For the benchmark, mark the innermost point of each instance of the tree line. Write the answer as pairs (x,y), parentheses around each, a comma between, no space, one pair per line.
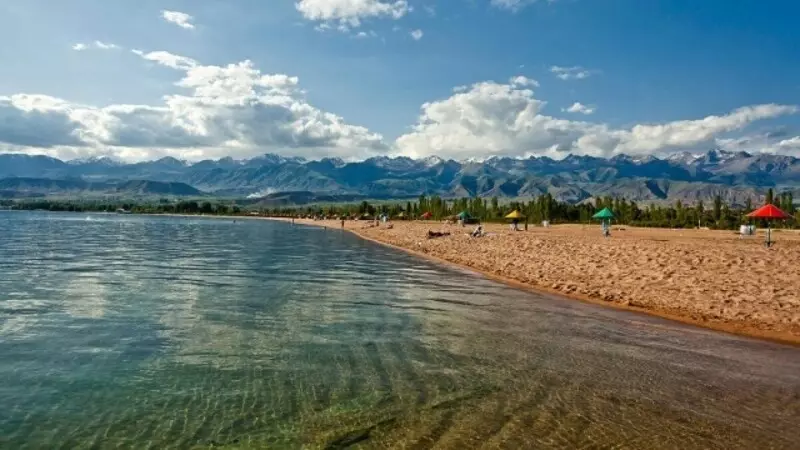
(717,214)
(162,206)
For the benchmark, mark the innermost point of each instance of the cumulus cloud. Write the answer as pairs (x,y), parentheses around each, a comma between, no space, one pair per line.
(350,13)
(762,143)
(520,80)
(236,110)
(417,34)
(99,45)
(178,18)
(490,118)
(572,73)
(789,146)
(580,108)
(37,121)
(222,110)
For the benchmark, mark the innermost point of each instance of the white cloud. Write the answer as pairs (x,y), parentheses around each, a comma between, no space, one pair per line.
(790,145)
(520,80)
(350,13)
(365,34)
(167,59)
(105,46)
(572,73)
(178,18)
(683,133)
(514,5)
(100,45)
(226,110)
(417,34)
(236,110)
(762,143)
(37,121)
(490,118)
(580,108)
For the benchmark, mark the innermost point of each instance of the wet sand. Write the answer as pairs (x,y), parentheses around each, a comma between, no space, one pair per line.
(704,277)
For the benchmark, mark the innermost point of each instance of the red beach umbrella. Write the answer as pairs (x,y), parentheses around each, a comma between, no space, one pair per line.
(427,215)
(768,212)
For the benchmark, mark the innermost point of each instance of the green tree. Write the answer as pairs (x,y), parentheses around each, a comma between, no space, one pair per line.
(717,214)
(680,214)
(699,212)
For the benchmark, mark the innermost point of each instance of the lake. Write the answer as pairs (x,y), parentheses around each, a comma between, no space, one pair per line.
(169,332)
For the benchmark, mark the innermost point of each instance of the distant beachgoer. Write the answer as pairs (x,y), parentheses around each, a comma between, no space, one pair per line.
(435,234)
(478,231)
(343,224)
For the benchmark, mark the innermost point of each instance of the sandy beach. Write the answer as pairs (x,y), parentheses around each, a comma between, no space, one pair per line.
(708,278)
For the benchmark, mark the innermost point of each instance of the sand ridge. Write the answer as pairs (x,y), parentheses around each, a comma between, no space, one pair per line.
(710,278)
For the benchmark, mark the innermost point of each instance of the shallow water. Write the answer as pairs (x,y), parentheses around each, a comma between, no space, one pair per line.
(158,332)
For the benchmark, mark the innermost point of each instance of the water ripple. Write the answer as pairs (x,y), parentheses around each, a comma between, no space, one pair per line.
(128,331)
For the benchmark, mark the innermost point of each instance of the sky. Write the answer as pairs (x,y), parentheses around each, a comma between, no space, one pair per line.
(359,78)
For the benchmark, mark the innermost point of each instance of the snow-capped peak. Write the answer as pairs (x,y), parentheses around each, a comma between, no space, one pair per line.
(683,157)
(103,160)
(431,161)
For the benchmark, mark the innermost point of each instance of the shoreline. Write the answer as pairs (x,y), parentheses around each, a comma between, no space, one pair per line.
(740,329)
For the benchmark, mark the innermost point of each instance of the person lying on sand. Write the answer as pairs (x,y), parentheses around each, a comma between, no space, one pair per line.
(435,234)
(478,231)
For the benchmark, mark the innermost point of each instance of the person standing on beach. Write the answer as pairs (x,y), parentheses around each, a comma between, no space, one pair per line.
(343,224)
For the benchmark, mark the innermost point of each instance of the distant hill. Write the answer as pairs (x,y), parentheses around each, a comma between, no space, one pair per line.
(683,176)
(301,198)
(22,187)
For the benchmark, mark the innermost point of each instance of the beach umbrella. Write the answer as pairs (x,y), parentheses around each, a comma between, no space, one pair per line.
(426,215)
(515,215)
(463,215)
(604,215)
(768,212)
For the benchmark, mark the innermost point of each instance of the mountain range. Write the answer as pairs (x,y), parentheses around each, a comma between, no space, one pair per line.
(681,176)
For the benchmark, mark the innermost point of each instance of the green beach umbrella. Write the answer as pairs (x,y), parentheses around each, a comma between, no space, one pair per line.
(604,214)
(464,215)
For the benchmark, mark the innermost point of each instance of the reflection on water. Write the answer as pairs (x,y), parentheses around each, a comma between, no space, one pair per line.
(190,333)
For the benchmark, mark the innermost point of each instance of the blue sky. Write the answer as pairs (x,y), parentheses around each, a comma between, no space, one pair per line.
(662,66)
